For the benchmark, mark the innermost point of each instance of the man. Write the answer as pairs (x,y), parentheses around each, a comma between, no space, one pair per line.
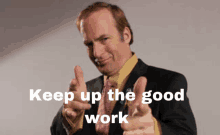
(108,37)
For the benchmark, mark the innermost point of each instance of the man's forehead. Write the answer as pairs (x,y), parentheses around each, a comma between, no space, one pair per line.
(95,26)
(102,16)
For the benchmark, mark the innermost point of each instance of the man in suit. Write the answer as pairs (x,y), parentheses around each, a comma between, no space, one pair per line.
(108,36)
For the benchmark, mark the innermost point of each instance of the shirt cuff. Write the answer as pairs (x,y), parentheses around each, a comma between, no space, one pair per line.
(157,127)
(73,125)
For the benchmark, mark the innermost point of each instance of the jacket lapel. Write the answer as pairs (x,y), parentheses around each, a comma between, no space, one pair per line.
(95,85)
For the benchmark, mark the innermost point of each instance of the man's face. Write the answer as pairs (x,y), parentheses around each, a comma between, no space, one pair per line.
(106,49)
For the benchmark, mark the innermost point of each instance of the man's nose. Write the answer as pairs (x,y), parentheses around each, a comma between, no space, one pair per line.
(98,50)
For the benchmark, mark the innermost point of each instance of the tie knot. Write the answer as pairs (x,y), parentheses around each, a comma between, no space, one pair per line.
(110,84)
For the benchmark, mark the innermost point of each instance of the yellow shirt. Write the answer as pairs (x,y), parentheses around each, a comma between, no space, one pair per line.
(120,79)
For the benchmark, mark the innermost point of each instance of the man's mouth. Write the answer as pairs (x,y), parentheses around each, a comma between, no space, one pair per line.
(102,61)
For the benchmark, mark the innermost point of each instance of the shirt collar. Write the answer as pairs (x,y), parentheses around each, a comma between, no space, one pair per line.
(124,71)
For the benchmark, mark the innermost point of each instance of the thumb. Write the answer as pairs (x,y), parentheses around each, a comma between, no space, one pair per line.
(139,110)
(142,109)
(139,88)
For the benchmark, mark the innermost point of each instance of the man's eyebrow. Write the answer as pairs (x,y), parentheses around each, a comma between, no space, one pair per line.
(102,36)
(97,39)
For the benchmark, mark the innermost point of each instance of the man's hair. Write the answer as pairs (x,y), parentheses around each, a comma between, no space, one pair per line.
(117,13)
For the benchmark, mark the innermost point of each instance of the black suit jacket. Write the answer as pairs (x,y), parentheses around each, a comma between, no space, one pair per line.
(175,117)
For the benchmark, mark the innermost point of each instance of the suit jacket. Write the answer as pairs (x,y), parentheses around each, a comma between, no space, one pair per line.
(175,117)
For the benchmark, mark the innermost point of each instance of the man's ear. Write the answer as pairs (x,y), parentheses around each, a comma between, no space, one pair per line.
(126,35)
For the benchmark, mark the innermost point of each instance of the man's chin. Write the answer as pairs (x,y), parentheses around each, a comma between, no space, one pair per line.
(104,70)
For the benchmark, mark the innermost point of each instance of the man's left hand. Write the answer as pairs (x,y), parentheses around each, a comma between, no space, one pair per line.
(140,119)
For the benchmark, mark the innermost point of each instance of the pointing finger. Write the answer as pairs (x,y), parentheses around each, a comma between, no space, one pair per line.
(139,88)
(79,75)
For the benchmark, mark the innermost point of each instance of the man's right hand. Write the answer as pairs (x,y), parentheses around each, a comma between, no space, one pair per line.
(77,106)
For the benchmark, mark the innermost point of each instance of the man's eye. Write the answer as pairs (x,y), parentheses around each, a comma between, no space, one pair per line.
(104,39)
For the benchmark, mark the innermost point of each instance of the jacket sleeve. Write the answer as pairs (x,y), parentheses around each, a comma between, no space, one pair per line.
(176,116)
(57,127)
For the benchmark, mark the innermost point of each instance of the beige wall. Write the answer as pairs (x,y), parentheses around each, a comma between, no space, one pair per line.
(40,45)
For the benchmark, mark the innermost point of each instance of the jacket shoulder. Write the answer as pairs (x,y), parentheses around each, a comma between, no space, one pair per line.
(165,79)
(161,73)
